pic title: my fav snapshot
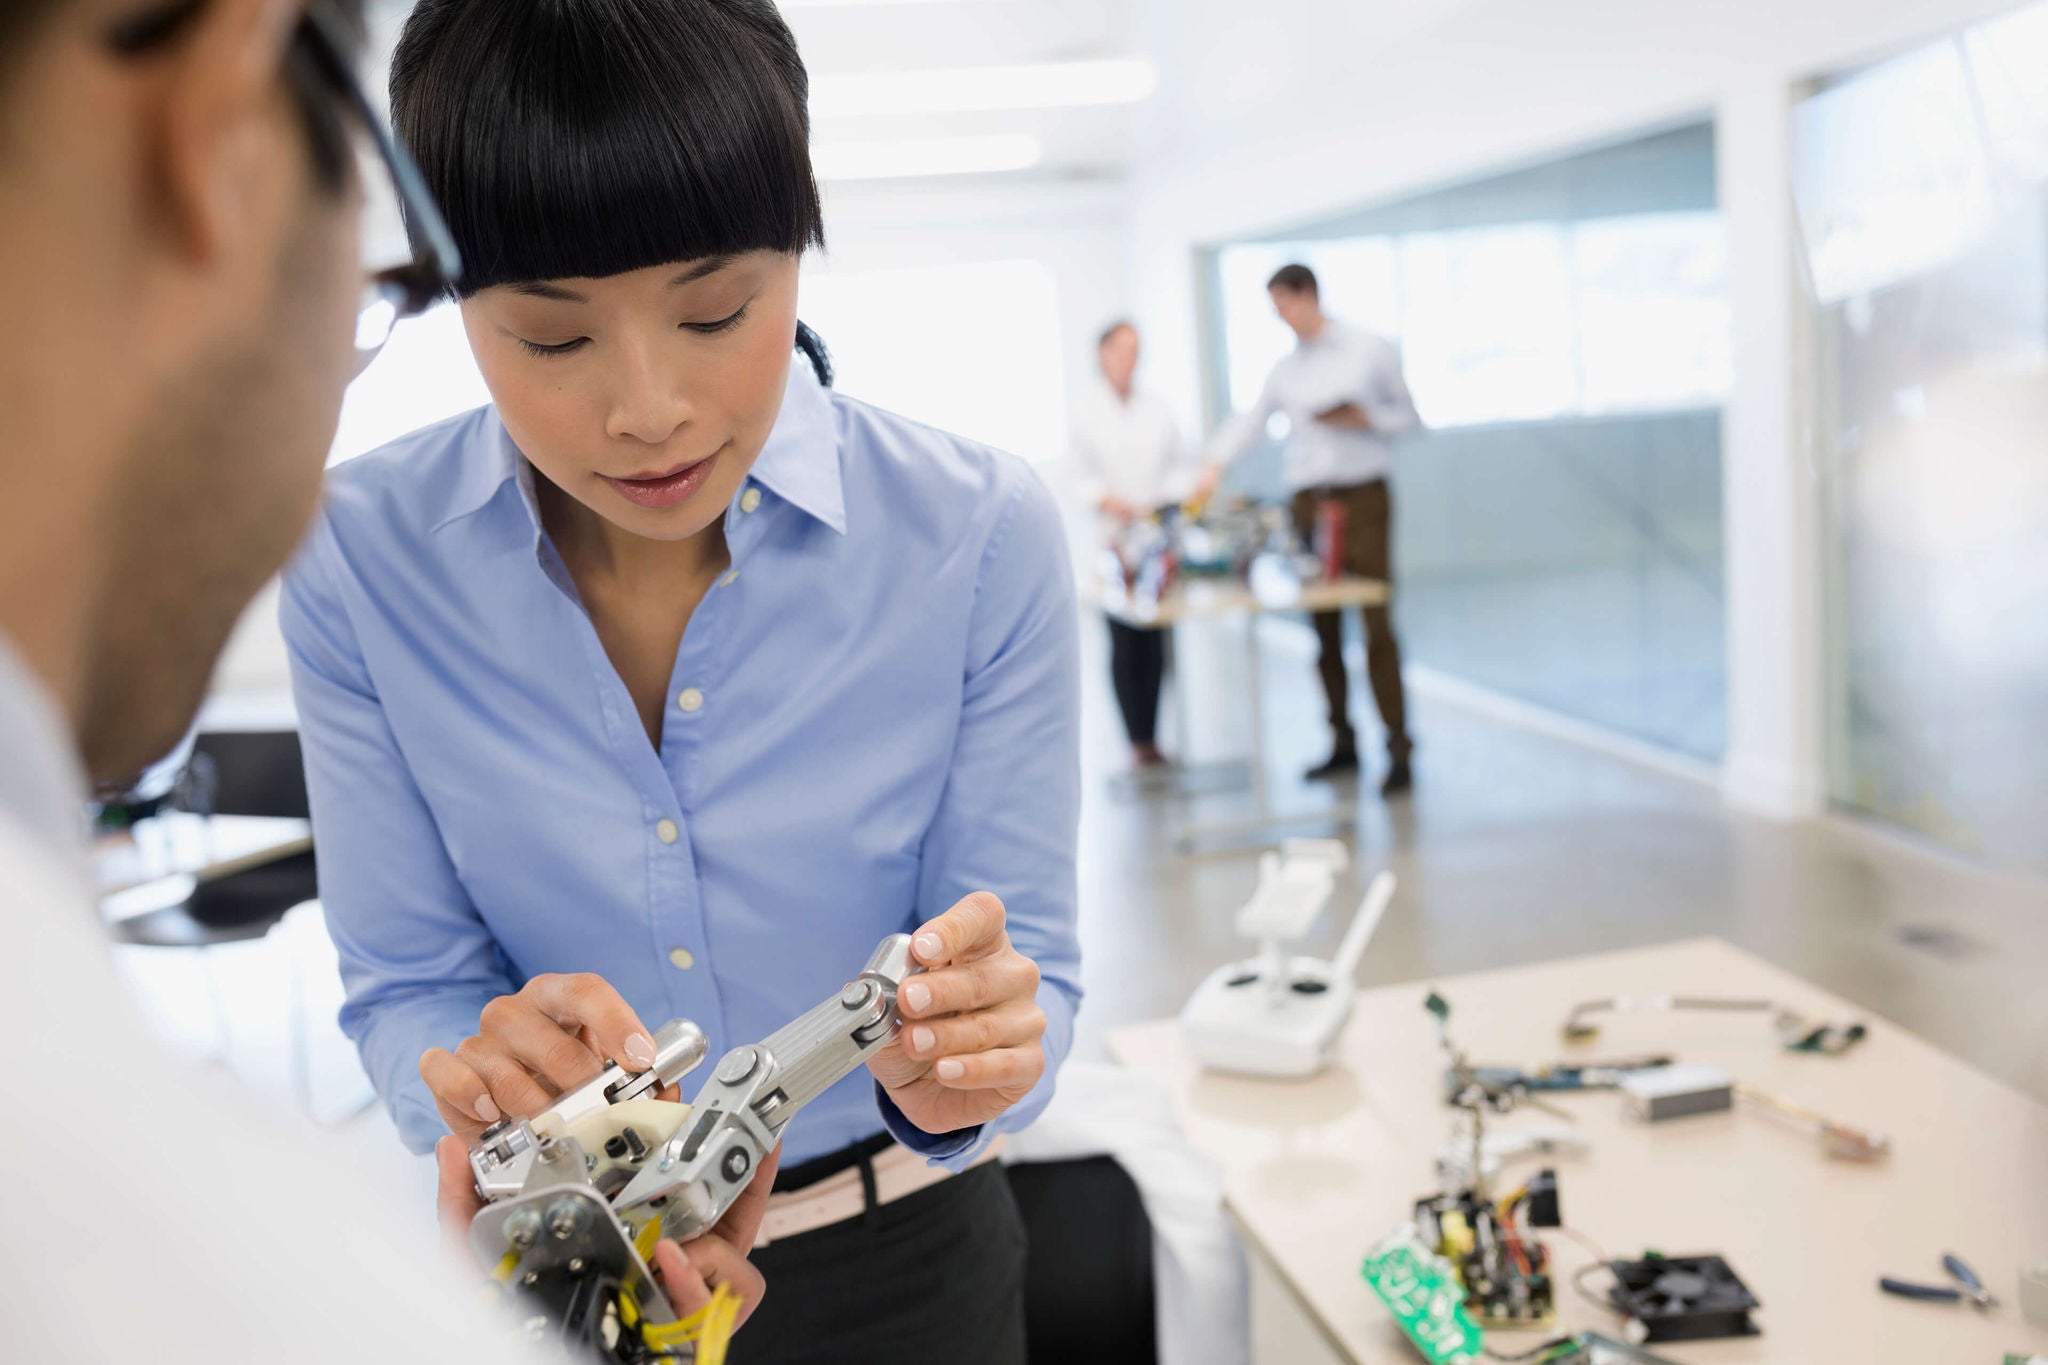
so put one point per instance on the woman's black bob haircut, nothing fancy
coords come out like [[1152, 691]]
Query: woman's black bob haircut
[[585, 138]]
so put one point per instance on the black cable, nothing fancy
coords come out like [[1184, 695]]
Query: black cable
[[1579, 1283], [1538, 1353]]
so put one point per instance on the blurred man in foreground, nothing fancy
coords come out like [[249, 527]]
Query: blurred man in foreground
[[182, 186], [1343, 393]]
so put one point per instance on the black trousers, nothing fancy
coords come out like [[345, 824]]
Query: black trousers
[[1137, 664], [937, 1276]]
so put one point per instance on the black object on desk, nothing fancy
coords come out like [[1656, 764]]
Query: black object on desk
[[246, 772]]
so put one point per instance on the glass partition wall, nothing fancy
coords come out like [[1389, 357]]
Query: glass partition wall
[[1565, 332], [1922, 189]]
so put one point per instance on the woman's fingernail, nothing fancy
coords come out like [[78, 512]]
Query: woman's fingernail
[[921, 1039], [952, 1069], [928, 946], [917, 995], [639, 1049], [486, 1110]]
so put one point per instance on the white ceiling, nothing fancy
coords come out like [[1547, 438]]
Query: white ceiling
[[869, 37]]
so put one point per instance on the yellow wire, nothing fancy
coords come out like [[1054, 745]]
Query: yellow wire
[[503, 1274], [644, 1241], [710, 1327]]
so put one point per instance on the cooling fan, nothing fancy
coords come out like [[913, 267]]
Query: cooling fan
[[1683, 1298]]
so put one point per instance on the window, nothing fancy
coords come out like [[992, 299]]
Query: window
[[971, 349]]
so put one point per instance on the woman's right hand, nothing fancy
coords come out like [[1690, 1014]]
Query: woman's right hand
[[554, 1035]]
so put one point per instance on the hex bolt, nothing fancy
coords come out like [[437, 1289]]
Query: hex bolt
[[857, 996], [738, 1065]]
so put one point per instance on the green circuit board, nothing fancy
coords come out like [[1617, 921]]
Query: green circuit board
[[1422, 1292]]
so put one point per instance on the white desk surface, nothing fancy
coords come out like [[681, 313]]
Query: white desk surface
[[1318, 1171], [1198, 597], [177, 844]]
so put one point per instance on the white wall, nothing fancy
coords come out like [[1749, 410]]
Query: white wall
[[1075, 228], [1292, 110]]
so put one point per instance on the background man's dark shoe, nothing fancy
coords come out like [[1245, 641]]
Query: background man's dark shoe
[[1398, 779], [1342, 763]]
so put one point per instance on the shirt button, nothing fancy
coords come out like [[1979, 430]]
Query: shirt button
[[750, 499], [690, 699], [668, 832], [683, 958], [726, 581]]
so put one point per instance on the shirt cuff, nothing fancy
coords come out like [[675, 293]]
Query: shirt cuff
[[936, 1149]]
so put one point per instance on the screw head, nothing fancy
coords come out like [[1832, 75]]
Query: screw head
[[736, 1163], [738, 1065], [857, 996], [522, 1229], [566, 1218]]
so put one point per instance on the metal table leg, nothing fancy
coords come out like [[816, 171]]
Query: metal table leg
[[1265, 825]]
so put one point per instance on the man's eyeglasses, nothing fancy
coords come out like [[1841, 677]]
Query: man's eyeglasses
[[401, 279]]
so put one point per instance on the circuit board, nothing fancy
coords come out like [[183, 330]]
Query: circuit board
[[1424, 1294], [1505, 1272]]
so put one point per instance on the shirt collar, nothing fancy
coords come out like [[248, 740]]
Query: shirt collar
[[489, 462], [42, 785], [799, 464]]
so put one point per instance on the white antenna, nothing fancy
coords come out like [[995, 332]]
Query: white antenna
[[1363, 926]]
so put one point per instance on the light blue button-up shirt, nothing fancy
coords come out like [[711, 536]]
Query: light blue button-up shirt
[[872, 715]]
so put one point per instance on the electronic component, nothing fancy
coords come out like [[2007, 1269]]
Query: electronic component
[[1423, 1293], [577, 1198], [2034, 1294], [1557, 1075], [1277, 1014], [1504, 1272], [1590, 1348], [1683, 1298], [1795, 1031], [1838, 1140], [1543, 1206], [1672, 1092]]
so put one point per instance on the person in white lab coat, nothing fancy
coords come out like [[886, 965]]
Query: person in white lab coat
[[1343, 393], [1131, 463], [182, 203]]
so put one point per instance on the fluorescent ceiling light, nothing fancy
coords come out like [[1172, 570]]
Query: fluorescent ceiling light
[[1045, 85], [845, 4], [907, 158]]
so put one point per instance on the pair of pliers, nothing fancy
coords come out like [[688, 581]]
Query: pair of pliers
[[1967, 1286]]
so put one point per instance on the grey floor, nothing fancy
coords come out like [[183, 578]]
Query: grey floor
[[1519, 847]]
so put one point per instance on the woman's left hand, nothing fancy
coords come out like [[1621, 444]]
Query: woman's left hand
[[969, 1048]]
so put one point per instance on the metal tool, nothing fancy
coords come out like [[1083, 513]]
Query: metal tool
[[1967, 1286], [739, 1115], [576, 1197]]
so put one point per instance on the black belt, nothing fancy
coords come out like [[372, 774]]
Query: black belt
[[810, 1172]]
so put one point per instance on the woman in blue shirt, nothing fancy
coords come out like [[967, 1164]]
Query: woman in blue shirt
[[671, 681]]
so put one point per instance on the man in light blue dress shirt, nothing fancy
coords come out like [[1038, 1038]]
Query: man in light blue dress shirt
[[878, 717]]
